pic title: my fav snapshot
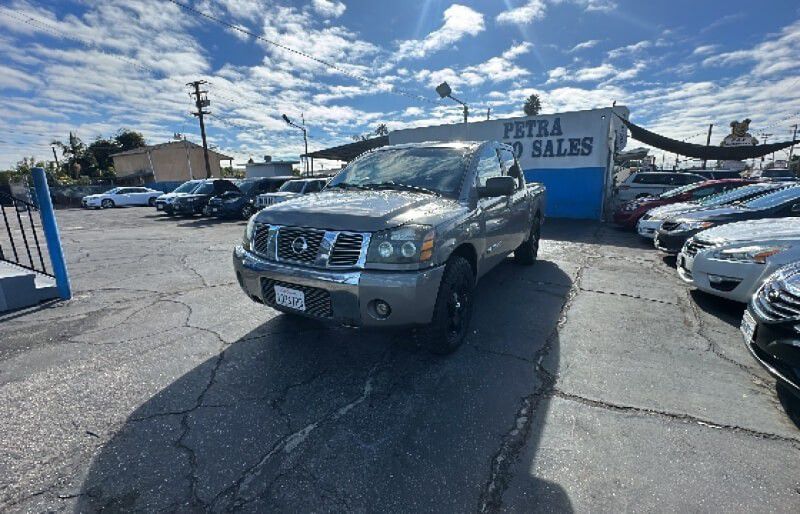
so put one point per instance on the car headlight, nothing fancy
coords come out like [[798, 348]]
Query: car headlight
[[752, 253], [694, 225], [249, 230], [407, 244]]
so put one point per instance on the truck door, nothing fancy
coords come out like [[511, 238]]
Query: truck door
[[495, 212], [519, 225]]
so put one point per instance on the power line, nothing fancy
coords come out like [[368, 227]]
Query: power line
[[333, 66]]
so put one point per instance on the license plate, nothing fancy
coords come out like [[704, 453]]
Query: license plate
[[291, 298], [214, 209], [748, 326], [159, 207]]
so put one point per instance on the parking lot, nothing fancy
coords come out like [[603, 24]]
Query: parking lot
[[594, 380]]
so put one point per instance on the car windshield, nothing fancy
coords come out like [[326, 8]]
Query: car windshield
[[294, 186], [677, 191], [203, 189], [245, 187], [773, 199], [185, 187], [439, 170], [732, 195]]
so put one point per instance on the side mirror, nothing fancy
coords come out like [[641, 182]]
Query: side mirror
[[497, 186]]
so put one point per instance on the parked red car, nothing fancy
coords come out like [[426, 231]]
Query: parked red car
[[629, 213]]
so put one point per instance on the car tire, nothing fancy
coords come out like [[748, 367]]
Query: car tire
[[151, 202], [107, 204], [247, 211], [527, 252], [452, 311]]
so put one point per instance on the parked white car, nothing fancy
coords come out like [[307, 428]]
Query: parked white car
[[652, 183], [122, 196], [648, 225], [733, 260], [291, 189]]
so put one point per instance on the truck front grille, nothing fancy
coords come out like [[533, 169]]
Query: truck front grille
[[318, 301], [669, 226], [261, 239], [346, 250], [300, 245], [776, 302]]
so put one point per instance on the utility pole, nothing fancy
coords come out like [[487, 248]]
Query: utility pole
[[488, 112], [58, 165], [201, 101], [708, 141], [766, 138], [791, 149]]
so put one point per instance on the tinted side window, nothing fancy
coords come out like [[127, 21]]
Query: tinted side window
[[488, 165], [650, 179], [511, 167], [704, 191]]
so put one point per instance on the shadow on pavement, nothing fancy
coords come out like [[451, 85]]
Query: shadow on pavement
[[727, 310], [567, 230], [790, 403], [297, 416]]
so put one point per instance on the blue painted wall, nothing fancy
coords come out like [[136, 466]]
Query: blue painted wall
[[571, 192]]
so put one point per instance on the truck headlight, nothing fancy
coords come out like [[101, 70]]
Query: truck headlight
[[753, 253], [402, 245]]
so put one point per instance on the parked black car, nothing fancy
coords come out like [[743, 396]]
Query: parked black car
[[770, 326], [241, 203], [716, 174], [196, 201], [674, 232]]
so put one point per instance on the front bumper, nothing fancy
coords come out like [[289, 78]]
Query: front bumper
[[777, 348], [671, 242], [187, 208], [344, 297], [735, 281]]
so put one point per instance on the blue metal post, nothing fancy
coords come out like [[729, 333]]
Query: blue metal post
[[51, 233]]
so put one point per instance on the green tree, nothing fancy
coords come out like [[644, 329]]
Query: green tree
[[102, 149], [532, 105], [128, 140]]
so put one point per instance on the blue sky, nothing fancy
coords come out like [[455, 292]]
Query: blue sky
[[93, 66]]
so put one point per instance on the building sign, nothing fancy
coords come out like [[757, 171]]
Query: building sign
[[545, 140]]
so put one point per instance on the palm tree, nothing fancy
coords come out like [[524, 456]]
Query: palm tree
[[532, 105], [382, 130]]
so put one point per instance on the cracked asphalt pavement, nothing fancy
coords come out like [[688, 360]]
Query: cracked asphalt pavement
[[594, 380]]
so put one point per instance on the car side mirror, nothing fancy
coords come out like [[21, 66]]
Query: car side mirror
[[497, 186]]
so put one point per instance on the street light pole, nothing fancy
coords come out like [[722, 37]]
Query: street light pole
[[445, 91], [305, 141]]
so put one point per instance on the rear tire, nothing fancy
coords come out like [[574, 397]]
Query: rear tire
[[527, 252], [107, 204], [453, 309]]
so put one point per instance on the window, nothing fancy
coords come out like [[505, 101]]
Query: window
[[488, 165], [703, 192], [653, 178], [314, 187], [511, 166], [293, 186]]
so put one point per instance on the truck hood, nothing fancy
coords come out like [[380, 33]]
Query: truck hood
[[764, 229], [359, 211]]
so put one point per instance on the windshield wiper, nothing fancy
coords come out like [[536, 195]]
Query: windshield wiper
[[402, 187]]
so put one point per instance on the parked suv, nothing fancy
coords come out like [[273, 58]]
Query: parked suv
[[652, 183], [196, 201], [241, 203], [164, 202], [292, 189], [398, 238]]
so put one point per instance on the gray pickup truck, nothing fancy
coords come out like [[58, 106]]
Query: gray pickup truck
[[398, 238]]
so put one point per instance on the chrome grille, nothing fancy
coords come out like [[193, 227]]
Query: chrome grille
[[300, 245], [694, 246], [261, 239], [346, 250], [318, 301], [775, 302], [669, 226]]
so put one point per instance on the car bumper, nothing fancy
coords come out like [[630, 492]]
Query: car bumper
[[91, 203], [648, 228], [735, 281], [626, 219], [343, 297], [224, 211], [778, 351], [186, 209], [671, 243]]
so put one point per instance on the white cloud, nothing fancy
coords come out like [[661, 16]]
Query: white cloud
[[704, 49], [459, 21], [329, 8], [527, 13], [629, 49], [494, 70], [775, 55], [584, 45]]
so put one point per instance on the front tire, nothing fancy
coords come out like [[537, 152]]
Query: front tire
[[528, 251], [107, 204], [247, 211], [151, 202], [453, 309]]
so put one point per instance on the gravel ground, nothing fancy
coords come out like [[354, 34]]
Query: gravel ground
[[594, 380]]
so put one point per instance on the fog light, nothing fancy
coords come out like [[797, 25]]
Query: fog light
[[382, 309]]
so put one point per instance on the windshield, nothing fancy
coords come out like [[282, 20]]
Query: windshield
[[733, 195], [245, 187], [185, 187], [204, 189], [678, 190], [294, 186], [773, 199], [437, 169]]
